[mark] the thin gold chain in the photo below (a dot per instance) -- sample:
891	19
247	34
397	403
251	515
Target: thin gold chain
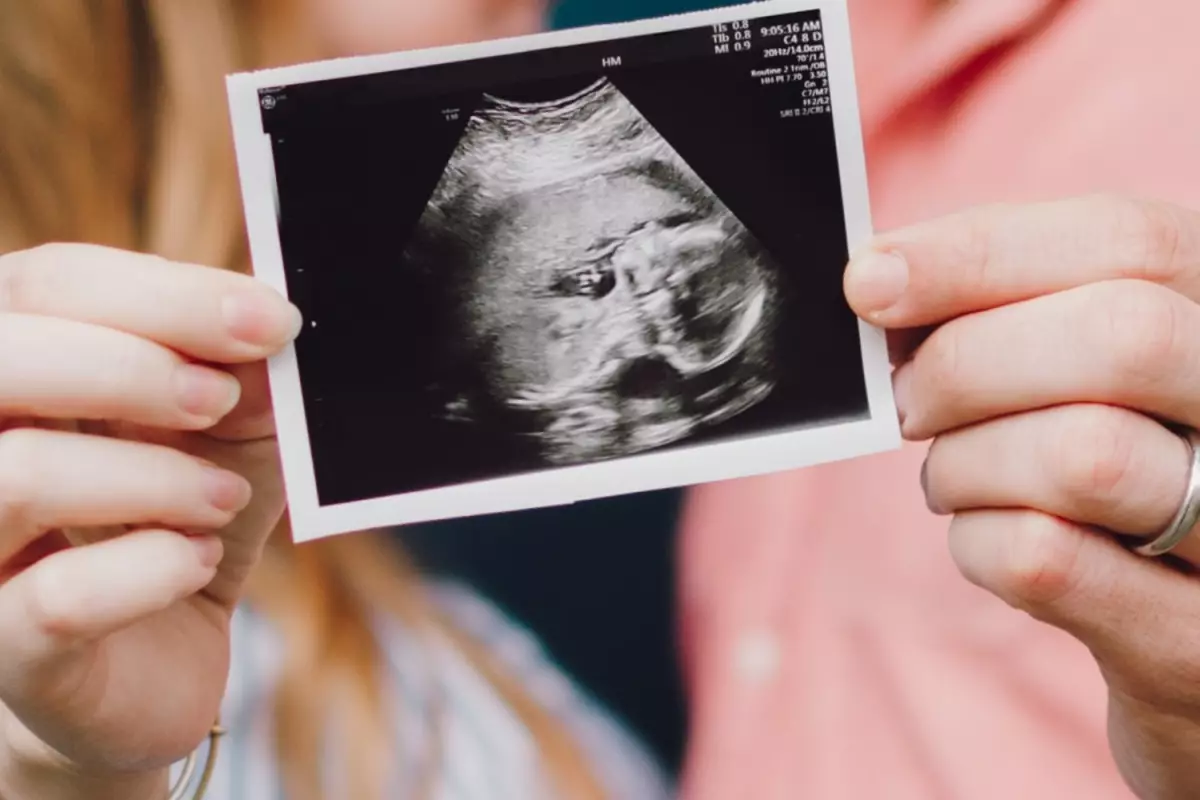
179	792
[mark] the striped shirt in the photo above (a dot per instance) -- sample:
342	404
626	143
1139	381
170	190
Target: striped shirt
486	751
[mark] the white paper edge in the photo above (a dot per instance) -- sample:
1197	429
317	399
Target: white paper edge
746	457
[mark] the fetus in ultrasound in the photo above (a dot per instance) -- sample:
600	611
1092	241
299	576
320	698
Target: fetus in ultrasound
606	302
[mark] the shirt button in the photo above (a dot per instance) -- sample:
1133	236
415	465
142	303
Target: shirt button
758	657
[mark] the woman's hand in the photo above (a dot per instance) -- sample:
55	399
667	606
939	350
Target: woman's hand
138	484
1039	347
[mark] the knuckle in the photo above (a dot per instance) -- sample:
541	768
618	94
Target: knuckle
19	471
1149	236
1094	449
939	362
941	353
1039	567
14	269
24	277
127	364
979	243
1144	332
135	374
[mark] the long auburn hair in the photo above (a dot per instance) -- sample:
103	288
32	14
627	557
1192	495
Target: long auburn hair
114	131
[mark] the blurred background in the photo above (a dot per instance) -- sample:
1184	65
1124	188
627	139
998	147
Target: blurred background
596	582
590	12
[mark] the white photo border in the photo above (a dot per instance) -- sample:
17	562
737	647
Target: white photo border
747	456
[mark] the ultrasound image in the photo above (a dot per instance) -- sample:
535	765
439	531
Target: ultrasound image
606	301
560	257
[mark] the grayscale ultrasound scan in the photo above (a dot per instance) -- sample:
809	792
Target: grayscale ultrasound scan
611	302
587	249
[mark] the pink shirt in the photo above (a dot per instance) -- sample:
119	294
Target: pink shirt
834	652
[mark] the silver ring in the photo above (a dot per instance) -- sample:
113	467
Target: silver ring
1189	510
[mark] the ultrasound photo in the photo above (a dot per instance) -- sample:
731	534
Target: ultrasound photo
566	266
611	302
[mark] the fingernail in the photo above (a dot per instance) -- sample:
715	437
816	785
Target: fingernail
261	318
225	490
902	389
206	393
875	280
209	550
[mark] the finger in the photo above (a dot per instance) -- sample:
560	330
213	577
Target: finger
82	594
247	536
42	547
1139	618
253	418
1095	465
1124	343
209	314
992	256
61	369
52	480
